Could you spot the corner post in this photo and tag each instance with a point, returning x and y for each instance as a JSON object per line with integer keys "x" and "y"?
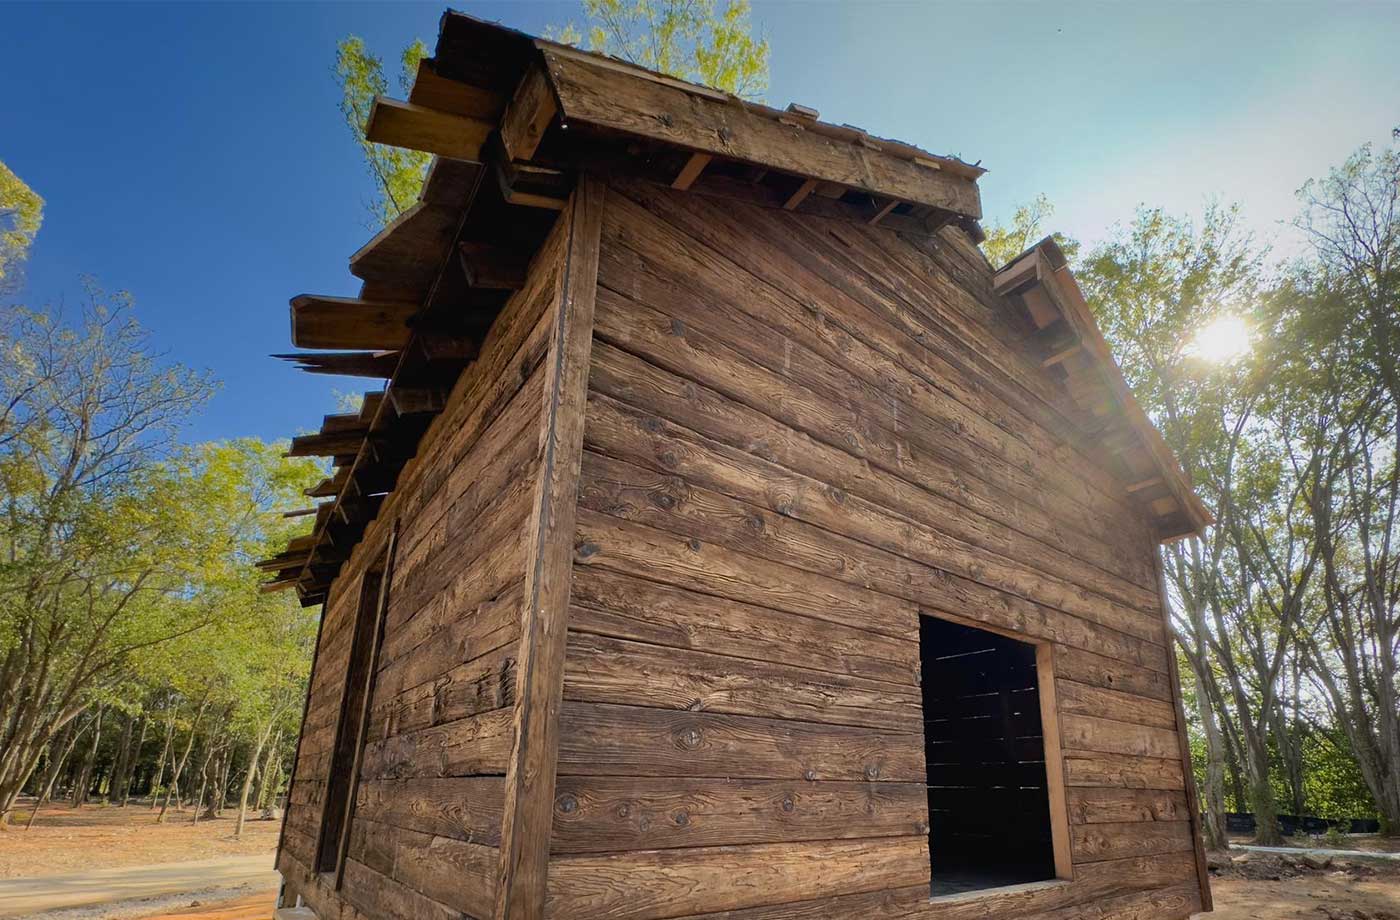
{"x": 530, "y": 772}
{"x": 1193, "y": 802}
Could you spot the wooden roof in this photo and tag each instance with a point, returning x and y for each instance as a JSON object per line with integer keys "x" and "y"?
{"x": 1040, "y": 282}
{"x": 511, "y": 120}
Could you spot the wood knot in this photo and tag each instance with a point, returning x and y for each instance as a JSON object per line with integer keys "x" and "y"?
{"x": 665, "y": 118}
{"x": 585, "y": 550}
{"x": 689, "y": 738}
{"x": 651, "y": 423}
{"x": 677, "y": 327}
{"x": 624, "y": 810}
{"x": 754, "y": 522}
{"x": 664, "y": 500}
{"x": 694, "y": 544}
{"x": 682, "y": 819}
{"x": 668, "y": 459}
{"x": 810, "y": 775}
{"x": 566, "y": 804}
{"x": 922, "y": 827}
{"x": 788, "y": 804}
{"x": 872, "y": 772}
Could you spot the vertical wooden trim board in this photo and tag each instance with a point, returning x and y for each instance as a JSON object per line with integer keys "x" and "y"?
{"x": 1193, "y": 801}
{"x": 530, "y": 772}
{"x": 1054, "y": 760}
{"x": 381, "y": 604}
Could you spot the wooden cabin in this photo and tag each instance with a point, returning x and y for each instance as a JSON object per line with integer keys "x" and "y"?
{"x": 727, "y": 539}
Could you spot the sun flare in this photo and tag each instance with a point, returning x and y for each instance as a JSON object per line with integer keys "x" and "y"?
{"x": 1222, "y": 340}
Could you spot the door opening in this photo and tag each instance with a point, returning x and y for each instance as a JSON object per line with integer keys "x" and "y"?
{"x": 989, "y": 791}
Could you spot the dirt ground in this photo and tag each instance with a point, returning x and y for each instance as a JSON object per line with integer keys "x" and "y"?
{"x": 1308, "y": 896}
{"x": 65, "y": 840}
{"x": 1254, "y": 886}
{"x": 1263, "y": 886}
{"x": 252, "y": 907}
{"x": 1259, "y": 887}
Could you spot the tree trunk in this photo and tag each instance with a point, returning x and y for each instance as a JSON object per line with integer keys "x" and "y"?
{"x": 248, "y": 779}
{"x": 1261, "y": 793}
{"x": 119, "y": 765}
{"x": 270, "y": 774}
{"x": 160, "y": 763}
{"x": 134, "y": 762}
{"x": 1213, "y": 790}
{"x": 227, "y": 765}
{"x": 81, "y": 785}
{"x": 59, "y": 750}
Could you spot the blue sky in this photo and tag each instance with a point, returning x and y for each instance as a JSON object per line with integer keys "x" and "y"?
{"x": 193, "y": 154}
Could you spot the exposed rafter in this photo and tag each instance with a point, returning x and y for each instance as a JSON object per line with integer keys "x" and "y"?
{"x": 348, "y": 322}
{"x": 403, "y": 124}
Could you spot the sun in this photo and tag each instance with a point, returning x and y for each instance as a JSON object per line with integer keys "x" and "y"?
{"x": 1221, "y": 340}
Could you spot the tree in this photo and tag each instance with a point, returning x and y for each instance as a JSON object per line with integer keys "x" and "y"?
{"x": 21, "y": 213}
{"x": 1342, "y": 318}
{"x": 695, "y": 40}
{"x": 1153, "y": 287}
{"x": 1005, "y": 242}
{"x": 397, "y": 173}
{"x": 115, "y": 539}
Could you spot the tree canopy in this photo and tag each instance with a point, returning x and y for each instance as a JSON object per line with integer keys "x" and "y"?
{"x": 21, "y": 214}
{"x": 1277, "y": 385}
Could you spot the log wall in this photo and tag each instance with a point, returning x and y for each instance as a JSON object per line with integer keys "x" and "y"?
{"x": 426, "y": 829}
{"x": 801, "y": 436}
{"x": 798, "y": 437}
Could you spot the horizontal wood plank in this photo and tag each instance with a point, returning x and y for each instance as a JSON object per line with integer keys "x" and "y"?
{"x": 667, "y": 883}
{"x": 603, "y": 814}
{"x": 608, "y": 740}
{"x": 603, "y": 670}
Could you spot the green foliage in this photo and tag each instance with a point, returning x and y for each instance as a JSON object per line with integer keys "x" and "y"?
{"x": 1153, "y": 286}
{"x": 125, "y": 558}
{"x": 1333, "y": 784}
{"x": 21, "y": 214}
{"x": 398, "y": 173}
{"x": 1005, "y": 242}
{"x": 696, "y": 40}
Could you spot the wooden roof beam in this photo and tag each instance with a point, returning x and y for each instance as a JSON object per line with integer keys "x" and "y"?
{"x": 529, "y": 115}
{"x": 348, "y": 322}
{"x": 495, "y": 267}
{"x": 1061, "y": 354}
{"x": 434, "y": 91}
{"x": 884, "y": 210}
{"x": 799, "y": 196}
{"x": 333, "y": 444}
{"x": 1145, "y": 484}
{"x": 691, "y": 171}
{"x": 346, "y": 363}
{"x": 418, "y": 400}
{"x": 370, "y": 405}
{"x": 417, "y": 127}
{"x": 526, "y": 199}
{"x": 591, "y": 93}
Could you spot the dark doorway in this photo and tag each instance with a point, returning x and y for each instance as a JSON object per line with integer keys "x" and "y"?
{"x": 988, "y": 796}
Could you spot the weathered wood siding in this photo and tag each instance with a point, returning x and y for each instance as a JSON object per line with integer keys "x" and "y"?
{"x": 800, "y": 436}
{"x": 428, "y": 815}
